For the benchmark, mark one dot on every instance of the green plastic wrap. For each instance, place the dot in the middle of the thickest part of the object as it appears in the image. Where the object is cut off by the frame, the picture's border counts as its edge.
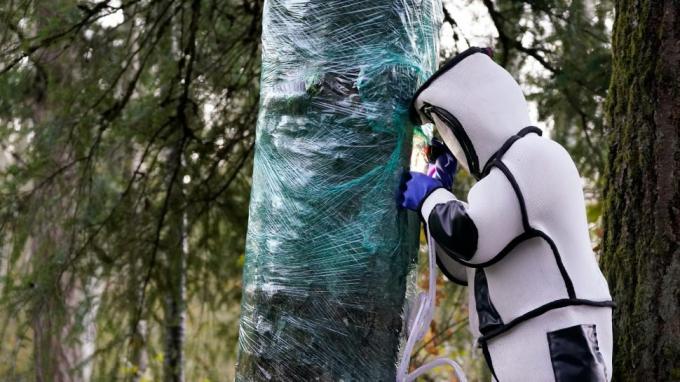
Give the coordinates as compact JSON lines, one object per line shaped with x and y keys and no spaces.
{"x":328,"y":251}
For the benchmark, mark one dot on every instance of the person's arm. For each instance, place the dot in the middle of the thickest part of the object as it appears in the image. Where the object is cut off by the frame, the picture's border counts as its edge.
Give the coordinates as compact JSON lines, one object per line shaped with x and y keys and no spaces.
{"x":474,"y":233}
{"x":416,"y":190}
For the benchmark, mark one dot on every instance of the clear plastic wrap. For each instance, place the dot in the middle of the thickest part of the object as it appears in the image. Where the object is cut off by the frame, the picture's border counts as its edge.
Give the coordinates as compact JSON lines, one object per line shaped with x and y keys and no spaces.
{"x":328,"y":251}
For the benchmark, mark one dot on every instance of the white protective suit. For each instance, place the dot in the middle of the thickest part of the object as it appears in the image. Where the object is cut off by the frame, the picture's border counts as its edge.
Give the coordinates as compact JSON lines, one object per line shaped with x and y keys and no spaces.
{"x":539,"y":306}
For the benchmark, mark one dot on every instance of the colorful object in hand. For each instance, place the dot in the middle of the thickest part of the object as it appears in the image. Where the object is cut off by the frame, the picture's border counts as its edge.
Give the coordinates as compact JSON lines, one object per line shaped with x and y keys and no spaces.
{"x":444,"y":164}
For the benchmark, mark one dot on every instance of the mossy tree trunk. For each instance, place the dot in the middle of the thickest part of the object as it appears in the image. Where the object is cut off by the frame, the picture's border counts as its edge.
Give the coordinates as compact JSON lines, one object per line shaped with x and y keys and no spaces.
{"x":642,"y":194}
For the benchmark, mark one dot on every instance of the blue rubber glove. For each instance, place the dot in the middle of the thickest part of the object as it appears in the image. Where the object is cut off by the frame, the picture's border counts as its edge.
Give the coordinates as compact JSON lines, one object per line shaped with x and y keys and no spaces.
{"x":416,"y":188}
{"x":445,"y":164}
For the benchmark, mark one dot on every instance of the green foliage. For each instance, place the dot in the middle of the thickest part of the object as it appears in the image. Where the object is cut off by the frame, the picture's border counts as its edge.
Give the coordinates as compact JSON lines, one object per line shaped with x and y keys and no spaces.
{"x":561,"y":51}
{"x":96,"y":100}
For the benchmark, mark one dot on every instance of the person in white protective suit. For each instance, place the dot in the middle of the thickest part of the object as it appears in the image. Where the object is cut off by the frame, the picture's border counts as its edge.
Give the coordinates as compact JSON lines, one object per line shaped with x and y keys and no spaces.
{"x":540,"y":308}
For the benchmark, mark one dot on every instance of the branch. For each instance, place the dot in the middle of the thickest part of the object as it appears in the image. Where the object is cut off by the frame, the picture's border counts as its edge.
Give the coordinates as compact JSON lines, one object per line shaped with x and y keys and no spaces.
{"x":159,"y":227}
{"x":507,"y":42}
{"x":190,"y":52}
{"x":584,"y":126}
{"x":449,"y":19}
{"x":91,"y":15}
{"x":440,"y":333}
{"x":135,"y":174}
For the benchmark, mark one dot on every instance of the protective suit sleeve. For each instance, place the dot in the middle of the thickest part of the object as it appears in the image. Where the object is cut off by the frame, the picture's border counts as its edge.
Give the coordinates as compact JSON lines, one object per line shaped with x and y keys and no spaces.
{"x":478,"y":232}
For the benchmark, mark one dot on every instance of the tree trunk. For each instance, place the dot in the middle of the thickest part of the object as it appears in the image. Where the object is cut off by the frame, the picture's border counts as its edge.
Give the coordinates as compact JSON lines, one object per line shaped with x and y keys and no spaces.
{"x":176,"y":239}
{"x":328,"y":252}
{"x":60,"y":341}
{"x":175,"y":275}
{"x":642,"y":194}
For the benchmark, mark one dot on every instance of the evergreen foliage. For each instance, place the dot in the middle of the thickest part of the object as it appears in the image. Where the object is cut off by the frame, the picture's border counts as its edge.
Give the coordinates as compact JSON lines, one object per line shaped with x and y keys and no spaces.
{"x":121,"y":120}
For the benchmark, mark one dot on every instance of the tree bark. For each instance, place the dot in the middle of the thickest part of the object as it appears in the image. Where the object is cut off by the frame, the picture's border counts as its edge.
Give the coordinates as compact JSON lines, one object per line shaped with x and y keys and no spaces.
{"x":177,"y":245}
{"x":175,"y":275}
{"x":60,"y":342}
{"x":642,"y":194}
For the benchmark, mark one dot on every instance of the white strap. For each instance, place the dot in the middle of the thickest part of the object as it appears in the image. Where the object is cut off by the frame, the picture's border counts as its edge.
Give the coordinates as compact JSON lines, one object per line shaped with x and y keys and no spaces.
{"x":421,"y":324}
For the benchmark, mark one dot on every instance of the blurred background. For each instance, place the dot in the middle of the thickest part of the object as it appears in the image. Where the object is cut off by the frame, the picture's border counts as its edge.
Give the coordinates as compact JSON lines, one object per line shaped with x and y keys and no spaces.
{"x":126,"y":138}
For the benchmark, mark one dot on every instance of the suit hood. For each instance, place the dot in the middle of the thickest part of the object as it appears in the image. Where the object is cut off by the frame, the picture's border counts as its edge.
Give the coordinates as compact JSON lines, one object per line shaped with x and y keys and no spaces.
{"x":475,"y":105}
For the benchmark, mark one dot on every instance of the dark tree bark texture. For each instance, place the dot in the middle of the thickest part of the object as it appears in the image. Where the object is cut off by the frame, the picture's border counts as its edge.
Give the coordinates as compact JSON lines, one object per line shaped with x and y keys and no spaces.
{"x":642,"y":195}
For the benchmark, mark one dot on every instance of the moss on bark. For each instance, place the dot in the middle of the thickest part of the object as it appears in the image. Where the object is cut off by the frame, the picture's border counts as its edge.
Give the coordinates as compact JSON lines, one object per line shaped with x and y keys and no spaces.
{"x":642,"y":194}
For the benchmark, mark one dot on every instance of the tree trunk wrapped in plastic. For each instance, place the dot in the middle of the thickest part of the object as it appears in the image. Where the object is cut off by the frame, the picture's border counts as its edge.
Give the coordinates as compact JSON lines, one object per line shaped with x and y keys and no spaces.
{"x":328,"y":251}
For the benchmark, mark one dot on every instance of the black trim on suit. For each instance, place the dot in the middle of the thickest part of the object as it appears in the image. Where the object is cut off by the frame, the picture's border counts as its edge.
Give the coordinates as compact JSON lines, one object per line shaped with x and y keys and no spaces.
{"x":459,"y":132}
{"x":506,"y":146}
{"x":413,"y":112}
{"x":487,"y":358}
{"x":556,"y":304}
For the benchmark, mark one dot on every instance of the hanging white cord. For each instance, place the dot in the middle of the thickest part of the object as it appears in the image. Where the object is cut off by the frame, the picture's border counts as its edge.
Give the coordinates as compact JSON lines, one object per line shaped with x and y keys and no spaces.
{"x":421,"y":323}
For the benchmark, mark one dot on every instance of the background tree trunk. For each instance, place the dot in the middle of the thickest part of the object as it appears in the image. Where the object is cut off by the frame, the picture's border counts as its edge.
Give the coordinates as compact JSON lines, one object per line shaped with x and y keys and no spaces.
{"x":175,"y":274}
{"x":62,"y":337}
{"x":642,"y":194}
